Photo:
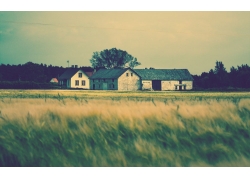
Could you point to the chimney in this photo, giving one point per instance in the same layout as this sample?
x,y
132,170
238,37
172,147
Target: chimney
x,y
72,66
76,66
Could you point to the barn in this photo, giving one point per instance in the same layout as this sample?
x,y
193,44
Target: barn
x,y
115,79
165,79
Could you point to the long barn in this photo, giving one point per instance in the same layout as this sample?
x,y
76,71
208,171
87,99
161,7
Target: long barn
x,y
165,79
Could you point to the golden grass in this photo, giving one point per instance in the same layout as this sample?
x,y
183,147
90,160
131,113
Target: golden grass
x,y
116,95
119,131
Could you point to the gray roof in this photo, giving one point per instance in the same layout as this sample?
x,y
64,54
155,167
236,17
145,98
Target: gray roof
x,y
108,73
69,73
164,74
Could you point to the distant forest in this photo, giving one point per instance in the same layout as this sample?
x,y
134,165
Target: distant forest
x,y
217,78
40,73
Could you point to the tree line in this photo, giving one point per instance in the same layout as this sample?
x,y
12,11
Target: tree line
x,y
40,73
238,77
219,78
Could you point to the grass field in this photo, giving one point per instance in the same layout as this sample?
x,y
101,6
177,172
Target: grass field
x,y
111,128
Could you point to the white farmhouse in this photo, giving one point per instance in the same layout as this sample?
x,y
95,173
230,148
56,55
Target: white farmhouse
x,y
75,78
165,79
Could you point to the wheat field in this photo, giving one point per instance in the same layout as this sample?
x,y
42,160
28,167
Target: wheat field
x,y
84,128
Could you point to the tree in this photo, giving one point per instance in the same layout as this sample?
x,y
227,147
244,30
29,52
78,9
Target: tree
x,y
219,68
221,74
213,79
113,58
243,76
233,77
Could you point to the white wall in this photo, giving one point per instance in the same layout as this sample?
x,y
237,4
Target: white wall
x,y
75,77
146,85
129,83
168,85
165,85
189,84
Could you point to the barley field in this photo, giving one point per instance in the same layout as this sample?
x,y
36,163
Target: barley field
x,y
58,128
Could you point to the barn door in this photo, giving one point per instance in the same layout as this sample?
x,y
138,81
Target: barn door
x,y
105,86
156,85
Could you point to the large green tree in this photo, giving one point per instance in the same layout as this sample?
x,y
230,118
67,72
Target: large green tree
x,y
113,58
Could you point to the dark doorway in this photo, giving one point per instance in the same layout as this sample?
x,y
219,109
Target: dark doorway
x,y
180,87
156,85
93,86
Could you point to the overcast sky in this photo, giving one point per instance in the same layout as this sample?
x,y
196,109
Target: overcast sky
x,y
190,40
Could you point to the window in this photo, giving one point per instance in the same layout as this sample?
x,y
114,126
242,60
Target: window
x,y
83,82
131,74
113,80
104,80
126,74
77,83
112,86
79,75
175,87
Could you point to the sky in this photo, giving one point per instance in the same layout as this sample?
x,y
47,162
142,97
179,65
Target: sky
x,y
192,40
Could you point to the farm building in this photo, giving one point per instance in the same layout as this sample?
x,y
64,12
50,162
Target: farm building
x,y
165,79
115,79
75,78
54,80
